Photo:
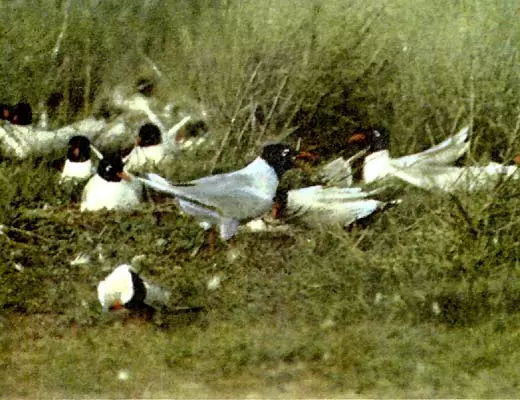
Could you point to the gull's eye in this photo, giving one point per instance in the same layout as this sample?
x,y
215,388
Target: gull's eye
x,y
376,133
285,152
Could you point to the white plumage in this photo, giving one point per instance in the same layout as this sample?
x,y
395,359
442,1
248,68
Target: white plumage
x,y
227,199
118,290
378,165
79,171
331,205
100,194
450,179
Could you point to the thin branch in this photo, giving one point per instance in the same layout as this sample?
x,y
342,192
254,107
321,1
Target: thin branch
x,y
27,233
233,118
64,25
465,215
273,107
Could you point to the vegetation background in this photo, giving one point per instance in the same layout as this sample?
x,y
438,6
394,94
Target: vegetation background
x,y
421,303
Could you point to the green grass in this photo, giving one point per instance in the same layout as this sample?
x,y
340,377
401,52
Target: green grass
x,y
421,303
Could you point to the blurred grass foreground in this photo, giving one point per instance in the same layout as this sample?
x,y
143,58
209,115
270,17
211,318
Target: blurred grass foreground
x,y
422,303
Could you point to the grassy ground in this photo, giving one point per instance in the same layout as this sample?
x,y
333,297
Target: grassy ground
x,y
422,303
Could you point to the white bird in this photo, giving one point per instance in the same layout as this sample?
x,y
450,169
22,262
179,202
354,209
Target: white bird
x,y
150,148
148,151
21,141
111,188
378,164
330,205
124,288
78,166
227,199
450,179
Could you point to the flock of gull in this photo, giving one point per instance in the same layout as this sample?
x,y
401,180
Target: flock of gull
x,y
250,196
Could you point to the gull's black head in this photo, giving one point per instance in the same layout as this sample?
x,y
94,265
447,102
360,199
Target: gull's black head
x,y
79,149
149,135
279,156
380,141
110,169
21,114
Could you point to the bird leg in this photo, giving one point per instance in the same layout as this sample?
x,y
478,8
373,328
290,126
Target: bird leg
x,y
276,210
211,239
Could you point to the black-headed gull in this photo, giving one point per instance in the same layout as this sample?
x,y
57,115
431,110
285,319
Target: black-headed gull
x,y
227,199
378,164
21,114
153,146
78,166
111,188
124,288
148,150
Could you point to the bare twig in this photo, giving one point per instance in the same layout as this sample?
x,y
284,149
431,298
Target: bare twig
x,y
155,69
64,25
233,118
27,233
273,107
465,215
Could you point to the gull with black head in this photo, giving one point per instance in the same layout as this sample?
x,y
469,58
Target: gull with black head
x,y
78,166
111,188
377,163
224,200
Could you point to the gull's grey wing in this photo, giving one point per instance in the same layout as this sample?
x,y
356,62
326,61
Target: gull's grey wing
x,y
232,195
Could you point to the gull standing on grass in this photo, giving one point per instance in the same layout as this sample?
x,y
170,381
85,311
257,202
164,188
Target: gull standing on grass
x,y
227,199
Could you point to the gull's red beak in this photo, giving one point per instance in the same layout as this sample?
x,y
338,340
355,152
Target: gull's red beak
x,y
123,175
76,151
517,160
305,155
116,306
357,138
